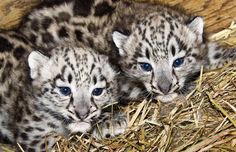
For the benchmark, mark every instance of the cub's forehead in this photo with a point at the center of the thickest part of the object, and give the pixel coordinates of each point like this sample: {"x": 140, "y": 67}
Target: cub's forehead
{"x": 161, "y": 28}
{"x": 80, "y": 62}
{"x": 76, "y": 56}
{"x": 156, "y": 35}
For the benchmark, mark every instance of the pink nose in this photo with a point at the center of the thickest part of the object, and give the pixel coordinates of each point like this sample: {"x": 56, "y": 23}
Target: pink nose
{"x": 82, "y": 113}
{"x": 164, "y": 87}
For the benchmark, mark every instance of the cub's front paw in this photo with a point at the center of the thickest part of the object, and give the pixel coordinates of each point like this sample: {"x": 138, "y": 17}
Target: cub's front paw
{"x": 110, "y": 126}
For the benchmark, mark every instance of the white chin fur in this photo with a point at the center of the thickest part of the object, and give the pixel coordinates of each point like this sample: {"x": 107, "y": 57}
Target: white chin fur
{"x": 167, "y": 98}
{"x": 82, "y": 127}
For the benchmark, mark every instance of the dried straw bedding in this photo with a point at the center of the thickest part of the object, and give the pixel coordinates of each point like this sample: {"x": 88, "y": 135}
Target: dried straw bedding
{"x": 205, "y": 120}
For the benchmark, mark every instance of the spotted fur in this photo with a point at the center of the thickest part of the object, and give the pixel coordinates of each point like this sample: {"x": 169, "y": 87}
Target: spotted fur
{"x": 157, "y": 35}
{"x": 14, "y": 49}
{"x": 34, "y": 110}
{"x": 174, "y": 51}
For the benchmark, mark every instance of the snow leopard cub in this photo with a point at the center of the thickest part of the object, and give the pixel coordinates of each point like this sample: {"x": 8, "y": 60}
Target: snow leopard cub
{"x": 167, "y": 55}
{"x": 66, "y": 94}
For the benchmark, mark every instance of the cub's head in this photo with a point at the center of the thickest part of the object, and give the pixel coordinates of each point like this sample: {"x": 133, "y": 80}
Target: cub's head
{"x": 162, "y": 53}
{"x": 75, "y": 82}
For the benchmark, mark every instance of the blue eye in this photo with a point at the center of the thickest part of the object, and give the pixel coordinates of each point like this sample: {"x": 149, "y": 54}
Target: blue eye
{"x": 178, "y": 62}
{"x": 97, "y": 91}
{"x": 146, "y": 67}
{"x": 66, "y": 91}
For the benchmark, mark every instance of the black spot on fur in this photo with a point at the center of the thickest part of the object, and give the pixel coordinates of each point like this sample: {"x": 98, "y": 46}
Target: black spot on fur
{"x": 42, "y": 146}
{"x": 19, "y": 52}
{"x": 69, "y": 78}
{"x": 172, "y": 27}
{"x": 182, "y": 45}
{"x": 173, "y": 50}
{"x": 37, "y": 136}
{"x": 29, "y": 129}
{"x": 63, "y": 17}
{"x": 92, "y": 67}
{"x": 31, "y": 149}
{"x": 58, "y": 77}
{"x": 35, "y": 25}
{"x": 194, "y": 55}
{"x": 47, "y": 37}
{"x": 147, "y": 54}
{"x": 83, "y": 7}
{"x": 34, "y": 142}
{"x": 103, "y": 9}
{"x": 1, "y": 63}
{"x": 176, "y": 25}
{"x": 90, "y": 42}
{"x": 64, "y": 67}
{"x": 79, "y": 35}
{"x": 39, "y": 129}
{"x": 45, "y": 90}
{"x": 102, "y": 78}
{"x": 46, "y": 22}
{"x": 94, "y": 80}
{"x": 33, "y": 38}
{"x": 25, "y": 121}
{"x": 217, "y": 55}
{"x": 24, "y": 136}
{"x": 5, "y": 45}
{"x": 138, "y": 53}
{"x": 63, "y": 32}
{"x": 91, "y": 27}
{"x": 108, "y": 135}
{"x": 52, "y": 125}
{"x": 36, "y": 118}
{"x": 70, "y": 103}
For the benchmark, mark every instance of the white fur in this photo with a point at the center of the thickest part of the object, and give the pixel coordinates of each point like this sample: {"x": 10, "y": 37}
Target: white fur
{"x": 119, "y": 40}
{"x": 135, "y": 93}
{"x": 197, "y": 26}
{"x": 82, "y": 127}
{"x": 167, "y": 98}
{"x": 35, "y": 61}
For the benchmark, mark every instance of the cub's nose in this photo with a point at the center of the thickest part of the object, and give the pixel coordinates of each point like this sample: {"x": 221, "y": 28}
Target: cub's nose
{"x": 164, "y": 87}
{"x": 82, "y": 113}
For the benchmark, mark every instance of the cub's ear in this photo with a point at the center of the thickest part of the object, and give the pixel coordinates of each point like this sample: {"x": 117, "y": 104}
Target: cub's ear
{"x": 119, "y": 39}
{"x": 35, "y": 61}
{"x": 197, "y": 26}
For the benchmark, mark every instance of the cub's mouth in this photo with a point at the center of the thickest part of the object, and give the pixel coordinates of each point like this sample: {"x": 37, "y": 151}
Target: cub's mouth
{"x": 167, "y": 97}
